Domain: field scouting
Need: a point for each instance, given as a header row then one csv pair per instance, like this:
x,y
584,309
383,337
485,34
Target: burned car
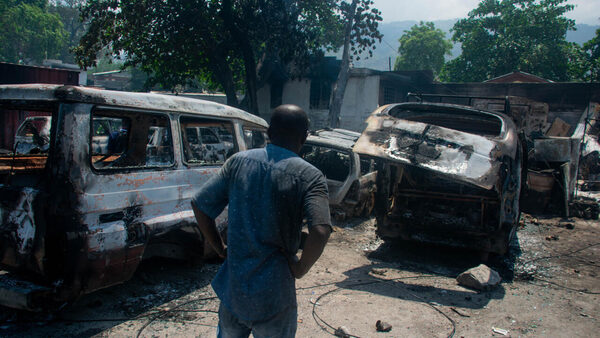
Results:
x,y
111,188
447,174
350,177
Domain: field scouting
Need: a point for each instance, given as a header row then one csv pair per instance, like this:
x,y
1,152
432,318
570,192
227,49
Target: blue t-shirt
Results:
x,y
269,191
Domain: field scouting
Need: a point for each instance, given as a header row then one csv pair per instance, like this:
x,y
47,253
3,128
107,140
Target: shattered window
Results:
x,y
24,139
130,139
206,141
334,164
255,138
366,165
320,92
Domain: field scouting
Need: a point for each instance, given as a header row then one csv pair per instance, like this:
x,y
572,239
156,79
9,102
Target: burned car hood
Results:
x,y
458,155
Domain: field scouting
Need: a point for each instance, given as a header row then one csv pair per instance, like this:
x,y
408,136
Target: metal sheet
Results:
x,y
462,156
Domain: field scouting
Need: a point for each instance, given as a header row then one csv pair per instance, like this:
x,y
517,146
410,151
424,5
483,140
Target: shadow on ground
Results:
x,y
156,282
442,260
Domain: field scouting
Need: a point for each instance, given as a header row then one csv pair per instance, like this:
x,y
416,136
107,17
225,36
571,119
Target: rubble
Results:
x,y
479,278
342,331
382,326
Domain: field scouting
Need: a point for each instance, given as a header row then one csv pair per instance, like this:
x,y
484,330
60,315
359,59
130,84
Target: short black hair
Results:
x,y
288,122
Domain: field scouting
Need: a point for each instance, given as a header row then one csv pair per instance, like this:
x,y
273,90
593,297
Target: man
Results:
x,y
269,191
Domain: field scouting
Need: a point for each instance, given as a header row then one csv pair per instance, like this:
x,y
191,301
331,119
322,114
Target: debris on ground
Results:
x,y
479,278
343,332
379,271
460,312
500,331
382,326
552,238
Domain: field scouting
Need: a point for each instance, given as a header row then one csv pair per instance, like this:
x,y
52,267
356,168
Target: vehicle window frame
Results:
x,y
183,158
252,127
347,152
108,171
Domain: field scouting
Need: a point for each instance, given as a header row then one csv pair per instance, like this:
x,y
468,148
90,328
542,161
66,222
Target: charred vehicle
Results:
x,y
108,184
447,174
350,177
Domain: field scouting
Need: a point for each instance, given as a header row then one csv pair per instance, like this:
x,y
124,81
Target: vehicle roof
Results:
x,y
150,101
338,138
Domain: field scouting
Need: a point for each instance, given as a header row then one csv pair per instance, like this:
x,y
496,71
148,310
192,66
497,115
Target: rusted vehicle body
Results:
x,y
447,174
81,211
350,177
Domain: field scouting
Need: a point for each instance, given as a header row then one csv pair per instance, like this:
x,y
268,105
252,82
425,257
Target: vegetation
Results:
x,y
223,42
423,47
501,36
360,34
592,56
29,31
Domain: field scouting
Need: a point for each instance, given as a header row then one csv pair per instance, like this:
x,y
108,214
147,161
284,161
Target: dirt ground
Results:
x,y
550,288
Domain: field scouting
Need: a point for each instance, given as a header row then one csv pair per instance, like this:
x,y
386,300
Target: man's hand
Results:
x,y
315,243
210,232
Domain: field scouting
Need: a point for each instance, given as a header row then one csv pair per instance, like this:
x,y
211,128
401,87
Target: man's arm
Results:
x,y
318,236
210,232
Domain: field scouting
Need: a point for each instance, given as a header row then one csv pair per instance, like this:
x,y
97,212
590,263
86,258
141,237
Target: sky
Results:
x,y
586,11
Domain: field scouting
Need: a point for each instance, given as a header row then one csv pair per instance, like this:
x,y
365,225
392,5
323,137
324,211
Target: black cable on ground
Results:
x,y
564,287
564,254
163,313
327,327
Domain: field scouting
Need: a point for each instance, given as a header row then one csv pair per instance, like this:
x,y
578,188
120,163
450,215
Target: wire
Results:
x,y
163,313
564,287
325,326
566,254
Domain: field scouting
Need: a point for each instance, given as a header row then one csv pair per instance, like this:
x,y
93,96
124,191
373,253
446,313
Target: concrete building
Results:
x,y
366,90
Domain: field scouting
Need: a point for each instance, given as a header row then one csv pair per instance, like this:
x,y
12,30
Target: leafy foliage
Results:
x,y
592,49
223,42
29,31
360,34
501,36
68,11
423,47
364,21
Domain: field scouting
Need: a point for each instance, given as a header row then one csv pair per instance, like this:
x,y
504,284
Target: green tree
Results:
x,y
29,31
360,33
225,42
68,11
423,47
502,36
592,49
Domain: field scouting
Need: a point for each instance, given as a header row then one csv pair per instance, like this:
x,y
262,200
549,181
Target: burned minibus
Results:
x,y
447,174
94,181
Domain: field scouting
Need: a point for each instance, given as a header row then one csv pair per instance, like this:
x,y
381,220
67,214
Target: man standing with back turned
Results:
x,y
269,191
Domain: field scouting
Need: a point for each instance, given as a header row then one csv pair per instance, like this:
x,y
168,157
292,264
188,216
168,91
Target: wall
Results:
x,y
559,96
360,100
17,74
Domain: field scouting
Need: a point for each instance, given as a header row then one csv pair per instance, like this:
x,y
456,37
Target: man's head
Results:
x,y
288,127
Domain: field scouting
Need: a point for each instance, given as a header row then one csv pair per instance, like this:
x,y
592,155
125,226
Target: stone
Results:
x,y
382,326
343,332
479,278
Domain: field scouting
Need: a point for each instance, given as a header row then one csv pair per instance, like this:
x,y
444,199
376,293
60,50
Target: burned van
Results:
x,y
94,181
350,177
448,174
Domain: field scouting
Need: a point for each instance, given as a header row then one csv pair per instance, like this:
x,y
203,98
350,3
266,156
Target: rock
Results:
x,y
379,271
343,332
552,238
383,326
479,278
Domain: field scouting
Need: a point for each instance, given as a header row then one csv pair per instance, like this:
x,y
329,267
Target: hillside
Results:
x,y
386,51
